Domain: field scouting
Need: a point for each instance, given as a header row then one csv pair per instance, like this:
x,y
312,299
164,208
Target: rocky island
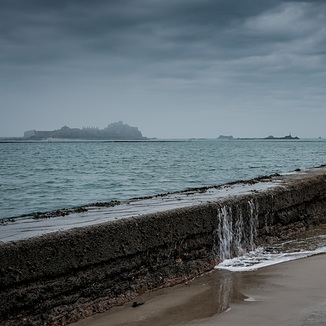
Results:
x,y
285,137
289,137
114,131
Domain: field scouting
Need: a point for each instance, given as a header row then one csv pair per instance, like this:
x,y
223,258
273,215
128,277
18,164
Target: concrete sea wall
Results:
x,y
58,278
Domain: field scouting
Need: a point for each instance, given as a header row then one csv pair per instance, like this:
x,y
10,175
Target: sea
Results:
x,y
46,176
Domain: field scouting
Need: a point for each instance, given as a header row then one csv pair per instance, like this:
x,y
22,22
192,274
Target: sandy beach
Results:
x,y
287,294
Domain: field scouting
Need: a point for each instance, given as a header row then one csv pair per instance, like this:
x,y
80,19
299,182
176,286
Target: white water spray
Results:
x,y
253,222
236,231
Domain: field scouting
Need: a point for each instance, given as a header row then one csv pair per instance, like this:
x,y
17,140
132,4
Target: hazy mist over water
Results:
x,y
47,176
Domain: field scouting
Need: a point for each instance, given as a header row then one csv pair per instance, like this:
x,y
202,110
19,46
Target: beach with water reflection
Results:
x,y
289,292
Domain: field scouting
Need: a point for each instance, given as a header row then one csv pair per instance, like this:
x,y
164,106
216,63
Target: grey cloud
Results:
x,y
113,26
151,32
119,27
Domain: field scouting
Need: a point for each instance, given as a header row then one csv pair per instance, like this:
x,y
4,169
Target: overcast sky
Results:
x,y
172,68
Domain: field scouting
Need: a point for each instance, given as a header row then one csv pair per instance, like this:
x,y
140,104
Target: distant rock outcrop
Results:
x,y
289,137
114,131
285,137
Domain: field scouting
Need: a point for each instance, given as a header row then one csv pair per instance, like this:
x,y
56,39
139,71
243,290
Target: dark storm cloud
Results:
x,y
249,41
49,31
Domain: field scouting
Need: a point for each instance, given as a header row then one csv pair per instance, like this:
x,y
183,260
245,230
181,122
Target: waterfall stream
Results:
x,y
234,235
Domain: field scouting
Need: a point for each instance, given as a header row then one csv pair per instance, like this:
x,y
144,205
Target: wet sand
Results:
x,y
287,294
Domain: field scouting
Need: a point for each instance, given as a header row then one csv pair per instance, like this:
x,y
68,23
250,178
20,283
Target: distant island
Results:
x,y
289,137
285,137
114,131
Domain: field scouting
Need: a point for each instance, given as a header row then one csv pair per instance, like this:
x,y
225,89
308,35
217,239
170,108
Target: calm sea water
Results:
x,y
46,176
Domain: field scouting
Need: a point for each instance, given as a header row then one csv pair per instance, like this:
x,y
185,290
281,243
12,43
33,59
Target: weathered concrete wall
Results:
x,y
59,278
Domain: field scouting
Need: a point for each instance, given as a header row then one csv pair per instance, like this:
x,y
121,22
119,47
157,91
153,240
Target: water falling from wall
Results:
x,y
236,231
253,222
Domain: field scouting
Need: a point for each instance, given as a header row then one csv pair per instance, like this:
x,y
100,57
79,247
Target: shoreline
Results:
x,y
42,223
287,294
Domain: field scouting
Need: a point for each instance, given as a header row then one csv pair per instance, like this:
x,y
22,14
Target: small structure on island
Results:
x,y
29,133
222,137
